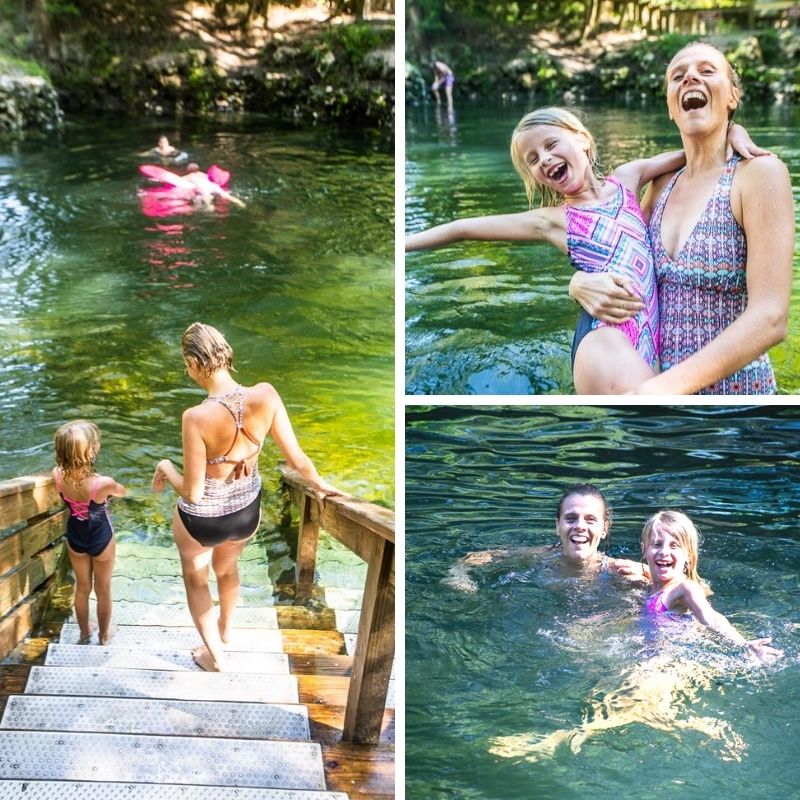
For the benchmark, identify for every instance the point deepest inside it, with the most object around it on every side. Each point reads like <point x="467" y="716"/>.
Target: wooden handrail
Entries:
<point x="367" y="530"/>
<point x="32" y="523"/>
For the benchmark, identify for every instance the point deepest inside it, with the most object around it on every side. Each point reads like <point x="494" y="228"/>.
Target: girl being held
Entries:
<point x="597" y="222"/>
<point x="670" y="546"/>
<point x="90" y="535"/>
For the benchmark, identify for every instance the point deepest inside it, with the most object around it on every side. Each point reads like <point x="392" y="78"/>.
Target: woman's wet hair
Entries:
<point x="207" y="348"/>
<point x="77" y="444"/>
<point x="588" y="490"/>
<point x="683" y="529"/>
<point x="733" y="75"/>
<point x="560" y="118"/>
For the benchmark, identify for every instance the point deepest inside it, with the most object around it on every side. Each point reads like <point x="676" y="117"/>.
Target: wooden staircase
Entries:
<point x="139" y="712"/>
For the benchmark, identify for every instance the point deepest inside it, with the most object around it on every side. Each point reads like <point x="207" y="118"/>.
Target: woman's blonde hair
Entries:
<point x="561" y="118"/>
<point x="77" y="444"/>
<point x="207" y="348"/>
<point x="683" y="529"/>
<point x="733" y="75"/>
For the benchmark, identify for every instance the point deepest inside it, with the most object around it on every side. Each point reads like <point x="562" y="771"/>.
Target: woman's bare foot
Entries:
<point x="85" y="638"/>
<point x="203" y="658"/>
<point x="224" y="632"/>
<point x="105" y="638"/>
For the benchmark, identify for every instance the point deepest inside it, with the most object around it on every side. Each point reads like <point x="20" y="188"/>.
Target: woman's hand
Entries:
<point x="159" y="482"/>
<point x="762" y="651"/>
<point x="604" y="296"/>
<point x="323" y="489"/>
<point x="633" y="571"/>
<point x="739" y="140"/>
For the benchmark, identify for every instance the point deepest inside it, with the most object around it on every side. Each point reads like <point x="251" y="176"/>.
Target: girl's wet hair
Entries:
<point x="683" y="529"/>
<point x="587" y="490"/>
<point x="733" y="75"/>
<point x="207" y="348"/>
<point x="77" y="444"/>
<point x="561" y="118"/>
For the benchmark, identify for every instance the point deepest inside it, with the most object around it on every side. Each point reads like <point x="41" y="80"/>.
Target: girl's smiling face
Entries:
<point x="581" y="526"/>
<point x="666" y="557"/>
<point x="557" y="158"/>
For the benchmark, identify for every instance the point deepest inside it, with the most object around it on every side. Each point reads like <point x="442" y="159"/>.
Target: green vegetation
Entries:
<point x="163" y="56"/>
<point x="593" y="49"/>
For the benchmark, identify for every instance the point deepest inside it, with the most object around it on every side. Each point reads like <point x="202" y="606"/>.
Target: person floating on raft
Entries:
<point x="196" y="187"/>
<point x="166" y="152"/>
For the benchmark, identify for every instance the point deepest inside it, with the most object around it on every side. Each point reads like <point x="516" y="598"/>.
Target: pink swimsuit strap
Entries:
<point x="77" y="508"/>
<point x="655" y="604"/>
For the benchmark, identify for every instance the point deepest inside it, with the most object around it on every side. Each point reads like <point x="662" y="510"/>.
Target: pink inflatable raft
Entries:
<point x="176" y="194"/>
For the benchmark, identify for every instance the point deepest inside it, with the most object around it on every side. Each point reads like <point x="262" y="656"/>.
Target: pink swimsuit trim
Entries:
<point x="77" y="508"/>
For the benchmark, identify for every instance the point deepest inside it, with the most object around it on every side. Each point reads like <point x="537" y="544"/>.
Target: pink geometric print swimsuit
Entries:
<point x="613" y="237"/>
<point x="655" y="604"/>
<point x="704" y="289"/>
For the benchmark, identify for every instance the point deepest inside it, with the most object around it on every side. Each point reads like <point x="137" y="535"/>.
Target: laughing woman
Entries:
<point x="219" y="508"/>
<point x="722" y="235"/>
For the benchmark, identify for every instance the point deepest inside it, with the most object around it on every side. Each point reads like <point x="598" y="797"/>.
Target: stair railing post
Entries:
<point x="307" y="541"/>
<point x="372" y="664"/>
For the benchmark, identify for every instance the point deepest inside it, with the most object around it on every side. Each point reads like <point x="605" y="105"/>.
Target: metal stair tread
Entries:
<point x="106" y="682"/>
<point x="74" y="655"/>
<point x="95" y="790"/>
<point x="130" y="612"/>
<point x="45" y="755"/>
<point x="159" y="717"/>
<point x="261" y="640"/>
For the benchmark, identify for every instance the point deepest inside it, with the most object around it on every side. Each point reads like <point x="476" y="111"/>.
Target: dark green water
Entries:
<point x="94" y="296"/>
<point x="527" y="652"/>
<point x="495" y="318"/>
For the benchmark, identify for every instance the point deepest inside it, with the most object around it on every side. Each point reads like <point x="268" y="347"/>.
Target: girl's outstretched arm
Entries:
<point x="537" y="225"/>
<point x="694" y="596"/>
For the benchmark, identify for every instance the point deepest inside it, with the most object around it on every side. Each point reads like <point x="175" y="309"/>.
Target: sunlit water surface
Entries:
<point x="495" y="318"/>
<point x="95" y="293"/>
<point x="494" y="676"/>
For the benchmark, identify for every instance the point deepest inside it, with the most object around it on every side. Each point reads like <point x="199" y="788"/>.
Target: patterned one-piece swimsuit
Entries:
<point x="613" y="237"/>
<point x="704" y="288"/>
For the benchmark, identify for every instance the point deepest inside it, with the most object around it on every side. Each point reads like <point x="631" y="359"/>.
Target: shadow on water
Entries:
<point x="559" y="686"/>
<point x="495" y="318"/>
<point x="95" y="295"/>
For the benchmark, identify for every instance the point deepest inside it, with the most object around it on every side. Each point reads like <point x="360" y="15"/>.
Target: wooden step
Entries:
<point x="158" y="637"/>
<point x="101" y="682"/>
<point x="93" y="790"/>
<point x="133" y="758"/>
<point x="159" y="717"/>
<point x="75" y="655"/>
<point x="129" y="612"/>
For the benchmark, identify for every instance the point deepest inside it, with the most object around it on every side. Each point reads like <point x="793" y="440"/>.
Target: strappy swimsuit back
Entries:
<point x="230" y="508"/>
<point x="89" y="528"/>
<point x="236" y="409"/>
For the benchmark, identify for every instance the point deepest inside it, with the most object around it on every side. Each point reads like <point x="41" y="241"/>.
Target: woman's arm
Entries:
<point x="282" y="434"/>
<point x="767" y="217"/>
<point x="458" y="576"/>
<point x="538" y="225"/>
<point x="636" y="174"/>
<point x="191" y="484"/>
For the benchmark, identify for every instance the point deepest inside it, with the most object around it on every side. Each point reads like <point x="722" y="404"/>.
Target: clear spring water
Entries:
<point x="94" y="296"/>
<point x="532" y="653"/>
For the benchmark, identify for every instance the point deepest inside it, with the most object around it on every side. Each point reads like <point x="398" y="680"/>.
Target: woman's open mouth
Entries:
<point x="693" y="100"/>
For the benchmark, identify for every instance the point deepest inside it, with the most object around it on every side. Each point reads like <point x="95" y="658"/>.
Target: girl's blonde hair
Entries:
<point x="561" y="118"/>
<point x="683" y="529"/>
<point x="77" y="444"/>
<point x="207" y="348"/>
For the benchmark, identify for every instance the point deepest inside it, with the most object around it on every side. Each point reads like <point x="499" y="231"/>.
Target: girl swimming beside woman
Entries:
<point x="597" y="222"/>
<point x="90" y="534"/>
<point x="659" y="689"/>
<point x="670" y="544"/>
